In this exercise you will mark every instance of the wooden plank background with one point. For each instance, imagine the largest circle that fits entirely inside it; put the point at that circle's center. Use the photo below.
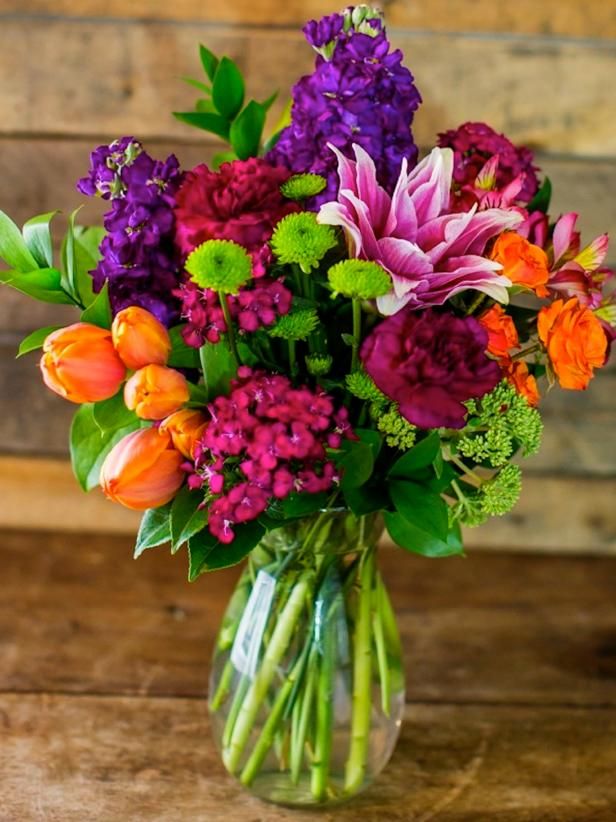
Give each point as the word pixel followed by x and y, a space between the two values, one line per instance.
pixel 74 73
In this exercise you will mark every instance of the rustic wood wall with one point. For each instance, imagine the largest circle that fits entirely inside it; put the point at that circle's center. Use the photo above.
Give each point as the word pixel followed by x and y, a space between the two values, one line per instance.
pixel 75 73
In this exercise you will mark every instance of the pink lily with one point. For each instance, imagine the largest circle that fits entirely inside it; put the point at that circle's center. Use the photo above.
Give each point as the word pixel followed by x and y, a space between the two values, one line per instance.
pixel 430 252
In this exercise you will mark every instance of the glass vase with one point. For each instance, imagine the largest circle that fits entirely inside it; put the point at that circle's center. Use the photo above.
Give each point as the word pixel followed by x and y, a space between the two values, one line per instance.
pixel 307 683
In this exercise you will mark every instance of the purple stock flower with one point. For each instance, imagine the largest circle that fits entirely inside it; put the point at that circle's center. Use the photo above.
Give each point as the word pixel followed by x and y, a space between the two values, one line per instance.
pixel 430 364
pixel 138 255
pixel 358 93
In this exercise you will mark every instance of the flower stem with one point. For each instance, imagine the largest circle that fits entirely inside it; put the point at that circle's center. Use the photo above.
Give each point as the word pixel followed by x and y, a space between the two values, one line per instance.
pixel 381 649
pixel 465 469
pixel 292 357
pixel 526 351
pixel 298 743
pixel 356 333
pixel 362 681
pixel 479 299
pixel 224 304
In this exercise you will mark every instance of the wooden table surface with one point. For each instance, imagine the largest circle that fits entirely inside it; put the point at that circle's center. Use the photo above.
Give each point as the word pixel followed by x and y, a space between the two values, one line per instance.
pixel 511 664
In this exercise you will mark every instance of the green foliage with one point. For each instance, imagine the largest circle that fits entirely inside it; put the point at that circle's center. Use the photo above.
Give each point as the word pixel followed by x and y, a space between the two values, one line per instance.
pixel 362 386
pixel 187 517
pixel 400 433
pixel 44 284
pixel 541 200
pixel 36 339
pixel 300 239
pixel 298 325
pixel 182 355
pixel 206 553
pixel 218 368
pixel 355 462
pixel 246 130
pixel 13 248
pixel 99 310
pixel 154 529
pixel 228 89
pixel 303 186
pixel 359 279
pixel 298 505
pixel 220 265
pixel 426 454
pixel 408 536
pixel 37 236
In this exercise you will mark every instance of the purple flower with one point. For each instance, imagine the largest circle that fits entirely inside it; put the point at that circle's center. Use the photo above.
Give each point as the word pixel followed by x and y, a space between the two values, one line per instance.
pixel 430 252
pixel 359 94
pixel 139 260
pixel 430 363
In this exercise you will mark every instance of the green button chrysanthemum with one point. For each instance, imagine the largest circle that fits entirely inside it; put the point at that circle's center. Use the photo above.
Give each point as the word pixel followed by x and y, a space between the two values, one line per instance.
pixel 360 279
pixel 319 365
pixel 302 186
pixel 298 238
pixel 296 326
pixel 220 265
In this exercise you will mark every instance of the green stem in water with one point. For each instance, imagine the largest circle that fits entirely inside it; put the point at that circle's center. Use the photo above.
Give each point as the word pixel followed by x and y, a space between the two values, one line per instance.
pixel 223 687
pixel 356 334
pixel 238 700
pixel 381 648
pixel 362 681
pixel 224 304
pixel 304 705
pixel 274 653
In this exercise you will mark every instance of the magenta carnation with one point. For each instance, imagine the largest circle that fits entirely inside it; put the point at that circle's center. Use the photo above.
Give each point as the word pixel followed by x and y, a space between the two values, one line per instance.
pixel 476 143
pixel 241 202
pixel 430 364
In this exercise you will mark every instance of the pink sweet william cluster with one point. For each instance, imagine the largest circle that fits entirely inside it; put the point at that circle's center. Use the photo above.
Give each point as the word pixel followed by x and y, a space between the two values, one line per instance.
pixel 265 440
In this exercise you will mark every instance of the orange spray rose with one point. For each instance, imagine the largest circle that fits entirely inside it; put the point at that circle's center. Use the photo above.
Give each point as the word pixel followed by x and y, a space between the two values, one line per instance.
pixel 502 333
pixel 185 427
pixel 142 470
pixel 155 391
pixel 139 338
pixel 517 373
pixel 80 364
pixel 524 263
pixel 575 341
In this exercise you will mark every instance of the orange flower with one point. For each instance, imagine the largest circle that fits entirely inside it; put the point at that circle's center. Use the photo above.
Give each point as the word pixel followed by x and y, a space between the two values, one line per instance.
pixel 502 333
pixel 524 382
pixel 575 341
pixel 80 364
pixel 143 470
pixel 185 427
pixel 139 338
pixel 524 263
pixel 155 391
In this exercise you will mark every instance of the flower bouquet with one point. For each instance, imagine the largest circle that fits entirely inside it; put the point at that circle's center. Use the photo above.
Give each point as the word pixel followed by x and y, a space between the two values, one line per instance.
pixel 313 336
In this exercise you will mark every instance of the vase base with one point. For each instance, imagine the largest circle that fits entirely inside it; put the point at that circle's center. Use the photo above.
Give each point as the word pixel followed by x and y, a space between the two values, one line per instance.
pixel 278 789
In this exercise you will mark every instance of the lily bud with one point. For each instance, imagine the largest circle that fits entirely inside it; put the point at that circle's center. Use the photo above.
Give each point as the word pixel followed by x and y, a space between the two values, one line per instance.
pixel 185 427
pixel 155 391
pixel 80 363
pixel 143 470
pixel 139 338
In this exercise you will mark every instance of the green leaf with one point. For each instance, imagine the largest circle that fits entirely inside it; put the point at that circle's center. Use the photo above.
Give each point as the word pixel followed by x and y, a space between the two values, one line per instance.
pixel 89 445
pixel 407 536
pixel 99 311
pixel 205 106
pixel 197 84
pixel 182 355
pixel 36 339
pixel 206 553
pixel 246 130
pixel 267 104
pixel 371 438
pixel 112 414
pixel 13 248
pixel 367 499
pixel 68 258
pixel 209 61
pixel 218 368
pixel 541 200
pixel 37 236
pixel 205 121
pixel 421 507
pixel 154 529
pixel 302 505
pixel 228 89
pixel 420 456
pixel 86 254
pixel 222 157
pixel 186 519
pixel 42 284
pixel 356 463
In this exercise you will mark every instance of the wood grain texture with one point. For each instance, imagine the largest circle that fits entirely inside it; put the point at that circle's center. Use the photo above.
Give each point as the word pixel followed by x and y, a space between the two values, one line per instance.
pixel 115 76
pixel 79 615
pixel 142 759
pixel 574 18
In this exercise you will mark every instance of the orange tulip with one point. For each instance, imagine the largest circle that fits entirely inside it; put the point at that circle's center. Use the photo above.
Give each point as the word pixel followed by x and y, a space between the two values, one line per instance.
pixel 139 338
pixel 80 364
pixel 517 373
pixel 143 470
pixel 502 333
pixel 185 427
pixel 524 263
pixel 155 391
pixel 575 341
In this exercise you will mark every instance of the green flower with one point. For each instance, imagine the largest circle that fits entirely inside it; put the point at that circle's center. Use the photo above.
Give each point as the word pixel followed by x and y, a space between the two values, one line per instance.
pixel 399 433
pixel 319 365
pixel 220 265
pixel 302 186
pixel 298 238
pixel 359 279
pixel 362 386
pixel 499 494
pixel 296 326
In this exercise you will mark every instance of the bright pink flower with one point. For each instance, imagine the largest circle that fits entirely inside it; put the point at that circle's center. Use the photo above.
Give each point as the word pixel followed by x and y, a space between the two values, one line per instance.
pixel 430 252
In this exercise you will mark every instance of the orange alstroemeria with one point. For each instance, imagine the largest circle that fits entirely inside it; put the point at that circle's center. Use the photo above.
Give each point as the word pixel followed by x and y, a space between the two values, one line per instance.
pixel 575 341
pixel 80 363
pixel 502 333
pixel 155 391
pixel 523 263
pixel 139 338
pixel 143 470
pixel 517 373
pixel 185 427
